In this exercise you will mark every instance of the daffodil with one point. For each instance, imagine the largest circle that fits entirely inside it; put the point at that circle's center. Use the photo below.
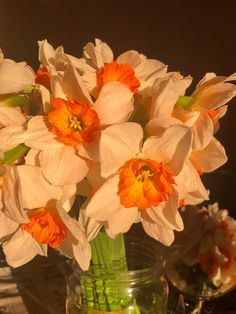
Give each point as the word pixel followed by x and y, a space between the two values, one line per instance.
pixel 209 239
pixel 14 76
pixel 49 225
pixel 140 180
pixel 98 66
pixel 41 211
pixel 209 102
pixel 71 130
pixel 99 58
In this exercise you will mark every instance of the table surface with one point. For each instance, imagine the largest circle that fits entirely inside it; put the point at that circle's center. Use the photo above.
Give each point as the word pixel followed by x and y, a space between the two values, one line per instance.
pixel 39 287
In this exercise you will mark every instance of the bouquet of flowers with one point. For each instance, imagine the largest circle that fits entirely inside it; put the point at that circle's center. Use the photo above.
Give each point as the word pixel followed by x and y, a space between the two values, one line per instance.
pixel 92 145
pixel 204 263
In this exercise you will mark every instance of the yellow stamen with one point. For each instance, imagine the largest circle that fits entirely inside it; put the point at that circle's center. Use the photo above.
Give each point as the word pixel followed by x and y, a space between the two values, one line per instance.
pixel 74 123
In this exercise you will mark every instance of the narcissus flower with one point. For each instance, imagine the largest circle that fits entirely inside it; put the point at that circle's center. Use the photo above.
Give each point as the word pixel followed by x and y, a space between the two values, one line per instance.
pixel 46 226
pixel 38 215
pixel 209 101
pixel 209 239
pixel 14 76
pixel 140 183
pixel 99 60
pixel 70 133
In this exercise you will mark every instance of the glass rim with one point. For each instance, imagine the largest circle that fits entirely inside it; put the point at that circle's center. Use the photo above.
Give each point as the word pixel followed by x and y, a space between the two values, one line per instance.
pixel 154 262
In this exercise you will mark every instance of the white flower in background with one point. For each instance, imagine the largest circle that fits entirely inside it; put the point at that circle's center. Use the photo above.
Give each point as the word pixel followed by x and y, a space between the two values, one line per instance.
pixel 209 239
pixel 98 66
pixel 101 61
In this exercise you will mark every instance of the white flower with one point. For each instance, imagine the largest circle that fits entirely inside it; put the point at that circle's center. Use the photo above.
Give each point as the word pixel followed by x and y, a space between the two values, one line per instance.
pixel 14 77
pixel 140 182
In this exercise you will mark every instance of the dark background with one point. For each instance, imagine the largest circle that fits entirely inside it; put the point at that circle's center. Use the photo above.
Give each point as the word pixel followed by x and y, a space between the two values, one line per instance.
pixel 193 37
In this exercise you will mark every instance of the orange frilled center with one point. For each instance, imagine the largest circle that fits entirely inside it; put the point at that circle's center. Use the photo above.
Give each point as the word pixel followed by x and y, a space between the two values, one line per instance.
pixel 122 73
pixel 74 123
pixel 144 183
pixel 46 226
pixel 42 77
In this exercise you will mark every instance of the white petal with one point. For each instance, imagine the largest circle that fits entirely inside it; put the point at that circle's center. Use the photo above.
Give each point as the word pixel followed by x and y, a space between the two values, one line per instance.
pixel 157 126
pixel 68 196
pixel 56 85
pixel 215 96
pixel 12 196
pixel 36 191
pixel 7 226
pixel 158 232
pixel 11 116
pixel 202 131
pixel 193 190
pixel 90 150
pixel 32 158
pixel 73 86
pixel 90 83
pixel 14 77
pixel 166 91
pixel 114 103
pixel 121 220
pixel 210 158
pixel 90 225
pixel 150 70
pixel 46 53
pixel 172 148
pixel 76 239
pixel 82 255
pixel 119 143
pixel 38 135
pixel 61 165
pixel 73 226
pixel 105 51
pixel 9 137
pixel 131 57
pixel 99 54
pixel 94 176
pixel 167 213
pixel 46 98
pixel 22 248
pixel 189 118
pixel 105 201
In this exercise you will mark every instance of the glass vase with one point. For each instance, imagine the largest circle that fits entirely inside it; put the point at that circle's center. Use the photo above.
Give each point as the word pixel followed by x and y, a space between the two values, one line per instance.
pixel 140 289
pixel 190 287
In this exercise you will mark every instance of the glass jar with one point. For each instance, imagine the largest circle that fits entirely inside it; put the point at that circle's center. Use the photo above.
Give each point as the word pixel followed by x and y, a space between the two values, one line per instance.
pixel 142 289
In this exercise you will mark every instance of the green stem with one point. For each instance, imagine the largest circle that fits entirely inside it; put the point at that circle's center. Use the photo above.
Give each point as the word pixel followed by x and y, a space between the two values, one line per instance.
pixel 107 254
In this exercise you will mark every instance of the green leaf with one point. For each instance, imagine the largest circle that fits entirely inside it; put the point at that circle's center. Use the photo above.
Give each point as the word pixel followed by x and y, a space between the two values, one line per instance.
pixel 28 89
pixel 13 154
pixel 184 102
pixel 15 101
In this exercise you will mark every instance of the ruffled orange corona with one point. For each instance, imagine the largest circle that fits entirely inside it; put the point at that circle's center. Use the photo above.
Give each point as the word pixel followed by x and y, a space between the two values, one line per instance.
pixel 46 226
pixel 43 77
pixel 122 73
pixel 74 123
pixel 144 183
